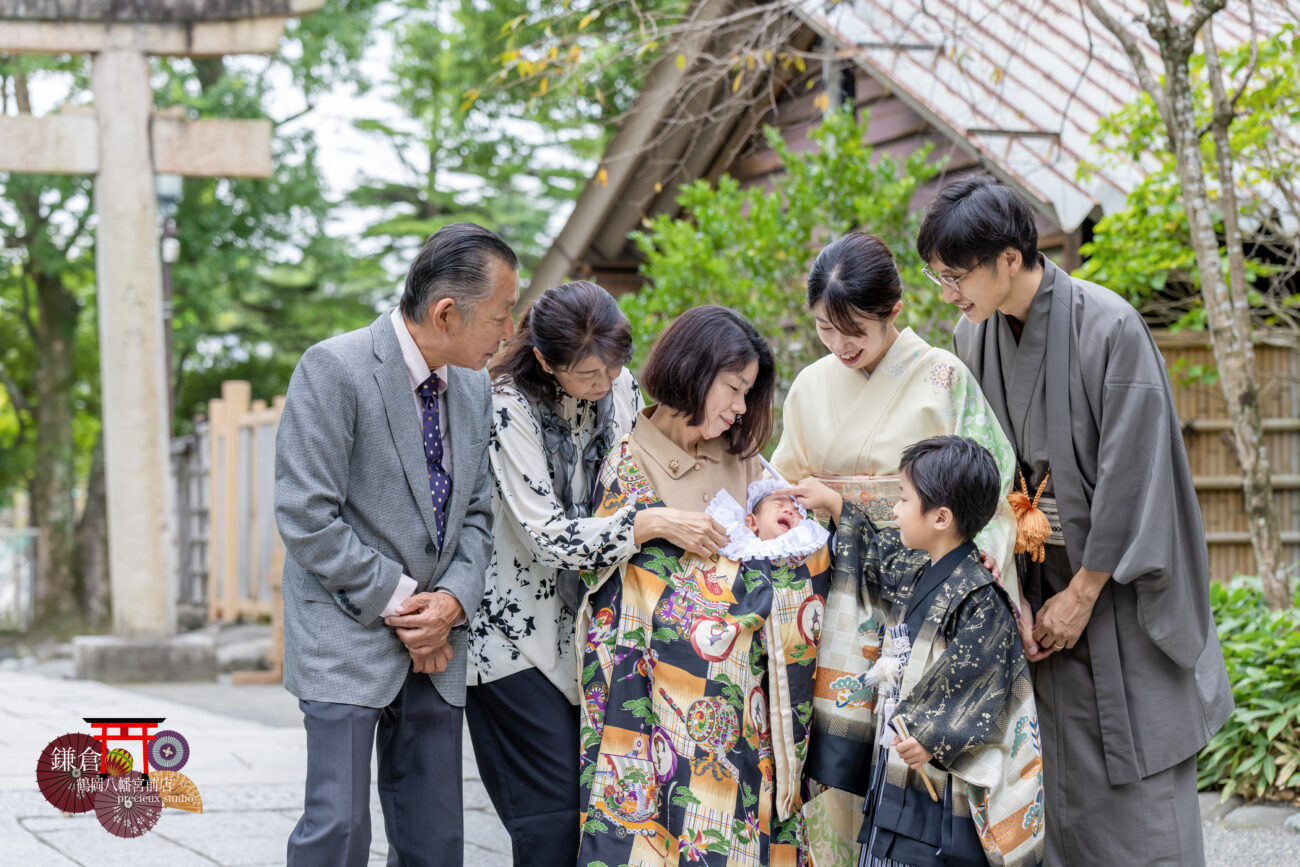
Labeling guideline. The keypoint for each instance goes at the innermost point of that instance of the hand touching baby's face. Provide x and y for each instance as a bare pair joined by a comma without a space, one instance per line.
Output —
773,516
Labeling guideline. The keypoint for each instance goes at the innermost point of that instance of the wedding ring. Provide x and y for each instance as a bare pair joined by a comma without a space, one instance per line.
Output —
1058,647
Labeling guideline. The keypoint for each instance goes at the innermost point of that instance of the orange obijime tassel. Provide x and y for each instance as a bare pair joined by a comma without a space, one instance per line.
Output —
1032,527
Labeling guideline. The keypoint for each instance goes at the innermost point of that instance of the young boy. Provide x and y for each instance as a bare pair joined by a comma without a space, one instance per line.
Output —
955,703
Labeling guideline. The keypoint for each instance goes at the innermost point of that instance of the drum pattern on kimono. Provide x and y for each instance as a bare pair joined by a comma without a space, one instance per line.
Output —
698,681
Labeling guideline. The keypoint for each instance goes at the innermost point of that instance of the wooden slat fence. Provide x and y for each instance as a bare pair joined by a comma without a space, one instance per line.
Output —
245,554
191,473
1207,428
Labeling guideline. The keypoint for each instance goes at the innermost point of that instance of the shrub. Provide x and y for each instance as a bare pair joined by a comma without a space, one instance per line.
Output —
1257,752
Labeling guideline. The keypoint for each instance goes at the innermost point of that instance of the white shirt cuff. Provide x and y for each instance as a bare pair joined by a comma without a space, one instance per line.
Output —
464,618
405,588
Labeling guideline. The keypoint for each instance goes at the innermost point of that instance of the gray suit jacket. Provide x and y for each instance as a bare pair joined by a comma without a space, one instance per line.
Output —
353,506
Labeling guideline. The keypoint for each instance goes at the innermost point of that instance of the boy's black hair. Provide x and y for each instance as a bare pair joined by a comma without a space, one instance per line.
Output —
958,473
973,220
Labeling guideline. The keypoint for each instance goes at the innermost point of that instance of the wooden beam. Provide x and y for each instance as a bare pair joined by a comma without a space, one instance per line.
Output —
1217,425
212,147
1281,482
1242,537
200,39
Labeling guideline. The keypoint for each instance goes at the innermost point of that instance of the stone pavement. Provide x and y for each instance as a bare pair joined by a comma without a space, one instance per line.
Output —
249,760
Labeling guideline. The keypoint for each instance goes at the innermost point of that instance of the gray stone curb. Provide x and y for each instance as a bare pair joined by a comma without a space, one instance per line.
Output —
1235,813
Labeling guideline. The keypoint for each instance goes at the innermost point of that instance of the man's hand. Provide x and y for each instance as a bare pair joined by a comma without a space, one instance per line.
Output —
812,494
431,660
912,753
1064,616
426,619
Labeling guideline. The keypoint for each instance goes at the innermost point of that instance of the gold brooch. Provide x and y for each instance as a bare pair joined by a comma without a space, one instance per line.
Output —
673,465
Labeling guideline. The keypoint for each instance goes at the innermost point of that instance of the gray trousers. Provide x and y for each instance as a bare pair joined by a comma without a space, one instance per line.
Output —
1153,822
417,740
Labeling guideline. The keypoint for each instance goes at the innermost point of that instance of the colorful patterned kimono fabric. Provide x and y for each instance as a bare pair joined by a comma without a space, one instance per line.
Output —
965,694
698,681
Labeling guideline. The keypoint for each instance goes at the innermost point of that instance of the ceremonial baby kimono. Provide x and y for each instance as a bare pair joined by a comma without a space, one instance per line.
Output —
1083,393
849,428
953,675
697,683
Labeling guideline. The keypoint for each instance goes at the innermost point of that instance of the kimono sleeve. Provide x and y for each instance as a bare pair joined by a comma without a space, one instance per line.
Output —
1134,505
958,705
974,419
523,479
878,558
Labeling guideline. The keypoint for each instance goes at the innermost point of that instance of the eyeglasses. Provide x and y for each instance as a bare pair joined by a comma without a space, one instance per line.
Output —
945,279
591,377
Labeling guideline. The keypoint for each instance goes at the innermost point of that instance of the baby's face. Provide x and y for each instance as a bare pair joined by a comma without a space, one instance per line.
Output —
772,517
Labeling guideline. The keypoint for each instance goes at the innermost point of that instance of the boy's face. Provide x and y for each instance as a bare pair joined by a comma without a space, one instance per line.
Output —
917,528
772,517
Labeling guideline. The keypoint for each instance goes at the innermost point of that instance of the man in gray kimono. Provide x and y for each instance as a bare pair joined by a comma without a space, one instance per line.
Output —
1128,675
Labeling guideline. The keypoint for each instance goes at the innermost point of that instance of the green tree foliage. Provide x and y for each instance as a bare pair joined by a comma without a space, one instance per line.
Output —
1144,250
749,248
494,156
257,281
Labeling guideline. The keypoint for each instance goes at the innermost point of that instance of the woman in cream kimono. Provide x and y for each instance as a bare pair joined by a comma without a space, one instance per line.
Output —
848,417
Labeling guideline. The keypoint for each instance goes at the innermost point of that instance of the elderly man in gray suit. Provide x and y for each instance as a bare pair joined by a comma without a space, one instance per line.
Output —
383,499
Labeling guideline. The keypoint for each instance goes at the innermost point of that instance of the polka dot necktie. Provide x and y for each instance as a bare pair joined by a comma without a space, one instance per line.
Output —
439,479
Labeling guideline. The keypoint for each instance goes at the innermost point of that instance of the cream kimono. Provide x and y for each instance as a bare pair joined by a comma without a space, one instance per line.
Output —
845,423
849,429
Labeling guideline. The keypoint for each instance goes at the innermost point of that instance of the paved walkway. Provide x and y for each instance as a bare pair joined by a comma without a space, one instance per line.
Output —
248,761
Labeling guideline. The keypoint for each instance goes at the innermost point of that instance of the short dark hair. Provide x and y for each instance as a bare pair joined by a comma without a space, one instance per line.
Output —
854,276
567,324
453,263
689,355
958,473
973,220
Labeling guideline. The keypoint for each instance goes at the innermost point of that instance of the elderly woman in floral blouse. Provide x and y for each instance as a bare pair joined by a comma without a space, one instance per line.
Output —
561,399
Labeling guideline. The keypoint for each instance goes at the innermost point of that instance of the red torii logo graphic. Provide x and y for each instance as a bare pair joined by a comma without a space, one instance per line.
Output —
123,725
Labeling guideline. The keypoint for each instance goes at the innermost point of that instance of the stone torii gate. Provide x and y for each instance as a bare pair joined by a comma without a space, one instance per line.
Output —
124,144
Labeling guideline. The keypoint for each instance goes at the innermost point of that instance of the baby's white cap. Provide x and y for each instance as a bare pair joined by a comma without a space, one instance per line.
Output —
760,489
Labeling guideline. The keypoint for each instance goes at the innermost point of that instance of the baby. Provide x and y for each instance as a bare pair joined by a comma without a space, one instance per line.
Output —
771,526
772,514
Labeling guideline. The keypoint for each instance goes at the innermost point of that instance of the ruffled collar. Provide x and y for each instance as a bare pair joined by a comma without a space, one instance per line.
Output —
804,539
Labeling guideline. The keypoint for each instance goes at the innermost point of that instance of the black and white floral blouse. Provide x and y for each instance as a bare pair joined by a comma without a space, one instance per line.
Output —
521,623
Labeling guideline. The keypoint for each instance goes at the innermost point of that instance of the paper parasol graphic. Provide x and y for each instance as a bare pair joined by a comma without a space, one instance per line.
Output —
169,751
118,763
67,772
177,791
128,806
